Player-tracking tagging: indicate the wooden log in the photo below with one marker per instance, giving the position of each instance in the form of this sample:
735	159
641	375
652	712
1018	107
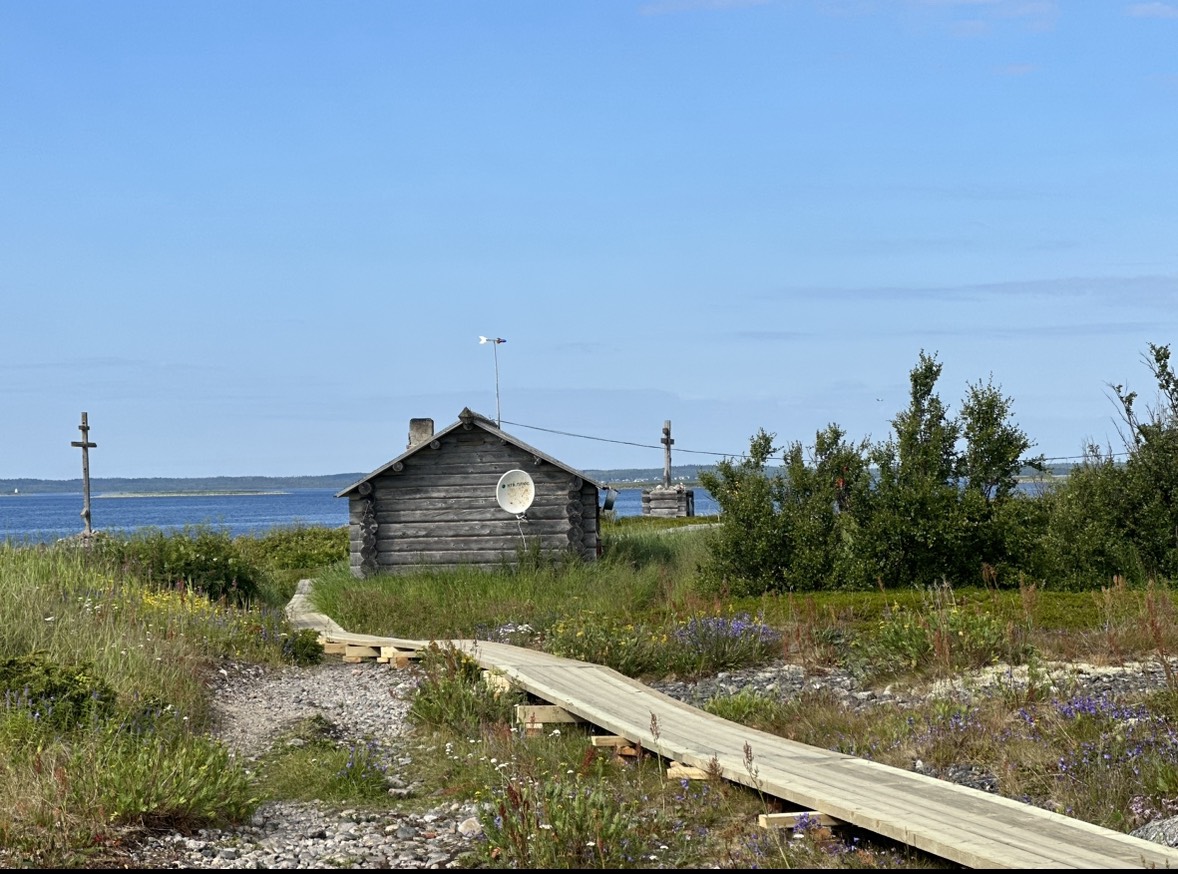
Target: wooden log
453	549
542	713
361	652
609	740
791	820
680	771
438	511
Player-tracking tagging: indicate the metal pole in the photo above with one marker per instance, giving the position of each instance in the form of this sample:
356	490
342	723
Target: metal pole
498	415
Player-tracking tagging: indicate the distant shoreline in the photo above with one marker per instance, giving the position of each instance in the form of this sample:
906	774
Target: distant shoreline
199	493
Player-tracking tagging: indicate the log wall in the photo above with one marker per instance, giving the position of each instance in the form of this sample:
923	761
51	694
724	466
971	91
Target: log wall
440	509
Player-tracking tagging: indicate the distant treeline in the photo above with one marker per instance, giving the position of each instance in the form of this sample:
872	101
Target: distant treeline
133	485
680	473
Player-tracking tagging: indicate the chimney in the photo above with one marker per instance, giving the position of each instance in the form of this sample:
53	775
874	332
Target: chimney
420	431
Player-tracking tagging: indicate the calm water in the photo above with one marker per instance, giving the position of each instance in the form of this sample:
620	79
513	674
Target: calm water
44	518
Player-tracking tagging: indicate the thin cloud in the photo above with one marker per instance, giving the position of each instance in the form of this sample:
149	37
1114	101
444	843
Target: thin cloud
1011	332
981	15
1151	10
670	7
1099	291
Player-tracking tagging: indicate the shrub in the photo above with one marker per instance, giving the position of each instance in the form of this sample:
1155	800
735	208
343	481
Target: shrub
942	637
198	558
303	647
166	778
63	696
701	645
453	694
564	822
297	547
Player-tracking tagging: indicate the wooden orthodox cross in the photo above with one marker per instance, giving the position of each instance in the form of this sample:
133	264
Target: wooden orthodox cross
667	441
85	445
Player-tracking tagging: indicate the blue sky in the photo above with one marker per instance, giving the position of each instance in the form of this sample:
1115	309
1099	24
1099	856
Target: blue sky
257	238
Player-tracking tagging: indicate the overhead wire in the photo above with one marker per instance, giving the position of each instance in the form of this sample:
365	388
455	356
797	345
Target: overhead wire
679	449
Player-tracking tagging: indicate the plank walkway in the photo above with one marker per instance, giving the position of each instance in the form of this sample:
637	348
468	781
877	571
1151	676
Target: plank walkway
972	828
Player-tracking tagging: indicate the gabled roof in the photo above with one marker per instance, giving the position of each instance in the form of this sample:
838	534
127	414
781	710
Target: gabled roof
468	417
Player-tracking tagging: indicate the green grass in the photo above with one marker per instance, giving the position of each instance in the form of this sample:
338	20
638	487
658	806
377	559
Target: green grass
125	655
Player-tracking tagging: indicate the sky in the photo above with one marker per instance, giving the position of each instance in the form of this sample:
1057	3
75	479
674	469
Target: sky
257	238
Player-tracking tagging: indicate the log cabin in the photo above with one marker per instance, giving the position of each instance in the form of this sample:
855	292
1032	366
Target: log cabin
437	504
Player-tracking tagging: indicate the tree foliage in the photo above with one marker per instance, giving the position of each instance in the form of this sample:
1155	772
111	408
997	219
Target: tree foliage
1121	519
934	502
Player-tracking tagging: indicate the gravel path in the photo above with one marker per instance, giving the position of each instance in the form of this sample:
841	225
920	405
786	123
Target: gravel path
362	702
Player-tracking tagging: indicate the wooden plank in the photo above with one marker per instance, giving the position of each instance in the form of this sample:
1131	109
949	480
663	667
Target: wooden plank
975	847
680	771
526	714
791	820
608	740
954	822
395	652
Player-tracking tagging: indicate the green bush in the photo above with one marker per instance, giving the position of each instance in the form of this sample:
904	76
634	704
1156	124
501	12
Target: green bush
296	548
564	822
303	647
941	638
696	647
63	696
453	694
910	511
166	779
198	558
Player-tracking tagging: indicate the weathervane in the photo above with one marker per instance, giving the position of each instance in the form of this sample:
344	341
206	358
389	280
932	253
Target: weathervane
495	341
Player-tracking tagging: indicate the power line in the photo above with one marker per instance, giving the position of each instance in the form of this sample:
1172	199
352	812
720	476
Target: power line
624	442
727	454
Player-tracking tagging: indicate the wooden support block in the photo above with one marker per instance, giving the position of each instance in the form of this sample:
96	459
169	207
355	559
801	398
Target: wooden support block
334	648
791	820
608	740
680	771
392	654
497	681
621	746
361	652
526	714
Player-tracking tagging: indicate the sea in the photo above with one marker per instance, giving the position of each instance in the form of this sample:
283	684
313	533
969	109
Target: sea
45	518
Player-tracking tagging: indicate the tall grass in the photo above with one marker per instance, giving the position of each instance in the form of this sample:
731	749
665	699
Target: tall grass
79	628
642	573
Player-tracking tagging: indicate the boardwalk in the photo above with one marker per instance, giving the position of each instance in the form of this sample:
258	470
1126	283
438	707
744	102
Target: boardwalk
973	828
